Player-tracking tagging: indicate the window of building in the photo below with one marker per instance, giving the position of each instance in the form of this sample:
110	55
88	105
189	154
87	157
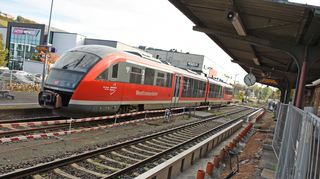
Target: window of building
135	75
149	76
115	71
103	75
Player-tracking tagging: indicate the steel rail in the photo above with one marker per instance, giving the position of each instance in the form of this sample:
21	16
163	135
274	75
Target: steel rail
32	129
72	159
216	129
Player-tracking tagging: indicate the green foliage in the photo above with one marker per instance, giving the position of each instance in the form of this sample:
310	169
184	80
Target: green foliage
24	20
3	53
4	20
277	94
240	95
266	93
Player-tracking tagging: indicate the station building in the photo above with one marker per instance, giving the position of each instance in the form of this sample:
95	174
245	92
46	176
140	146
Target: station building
198	63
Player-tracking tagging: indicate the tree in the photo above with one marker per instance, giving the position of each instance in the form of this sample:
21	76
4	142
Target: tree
266	93
277	94
256	89
3	53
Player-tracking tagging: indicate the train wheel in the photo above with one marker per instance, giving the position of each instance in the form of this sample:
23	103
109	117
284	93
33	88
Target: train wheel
124	109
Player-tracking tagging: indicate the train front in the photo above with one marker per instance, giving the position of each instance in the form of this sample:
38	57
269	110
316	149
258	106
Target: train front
65	76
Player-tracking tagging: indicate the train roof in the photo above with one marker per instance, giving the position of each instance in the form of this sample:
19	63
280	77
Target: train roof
219	83
103	51
99	50
165	67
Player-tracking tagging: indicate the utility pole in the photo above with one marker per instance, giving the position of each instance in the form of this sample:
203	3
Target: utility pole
45	59
234	84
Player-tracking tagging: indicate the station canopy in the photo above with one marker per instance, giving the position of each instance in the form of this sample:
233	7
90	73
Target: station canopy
267	38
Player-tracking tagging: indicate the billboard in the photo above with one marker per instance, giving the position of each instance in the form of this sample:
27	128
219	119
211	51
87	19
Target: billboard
22	40
25	31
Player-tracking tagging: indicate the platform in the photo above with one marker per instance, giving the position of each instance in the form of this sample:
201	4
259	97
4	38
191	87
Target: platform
22	100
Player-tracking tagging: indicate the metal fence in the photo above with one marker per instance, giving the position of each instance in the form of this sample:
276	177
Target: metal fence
296	143
281	119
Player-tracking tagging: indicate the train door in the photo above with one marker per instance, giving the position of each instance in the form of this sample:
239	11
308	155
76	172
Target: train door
175	97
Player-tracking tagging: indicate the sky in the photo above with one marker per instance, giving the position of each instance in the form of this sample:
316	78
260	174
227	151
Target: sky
152	23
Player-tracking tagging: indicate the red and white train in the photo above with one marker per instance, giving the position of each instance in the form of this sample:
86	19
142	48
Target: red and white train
96	80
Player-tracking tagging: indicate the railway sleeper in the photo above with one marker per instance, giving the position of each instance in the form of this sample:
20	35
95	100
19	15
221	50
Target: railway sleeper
157	145
142	150
182	135
150	147
112	160
134	153
163	143
37	176
125	157
76	166
191	129
179	136
103	166
174	138
64	174
185	135
169	141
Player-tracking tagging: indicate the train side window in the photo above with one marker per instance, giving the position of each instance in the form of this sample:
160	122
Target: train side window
187	87
115	71
135	75
103	75
160	79
195	89
149	76
201	89
169	79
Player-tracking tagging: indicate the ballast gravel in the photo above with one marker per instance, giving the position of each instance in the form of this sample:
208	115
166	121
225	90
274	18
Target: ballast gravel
26	154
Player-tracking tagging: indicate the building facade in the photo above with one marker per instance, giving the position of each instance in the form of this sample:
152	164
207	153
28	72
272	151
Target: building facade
63	41
194	62
118	45
21	41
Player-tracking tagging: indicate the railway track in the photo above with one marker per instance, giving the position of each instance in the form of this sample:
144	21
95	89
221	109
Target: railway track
31	119
24	113
58	124
122	158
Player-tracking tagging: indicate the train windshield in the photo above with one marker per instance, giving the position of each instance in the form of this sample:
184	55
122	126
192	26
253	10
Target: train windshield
70	69
76	61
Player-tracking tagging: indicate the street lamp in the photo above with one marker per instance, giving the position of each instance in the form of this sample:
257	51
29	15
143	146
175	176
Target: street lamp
45	59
